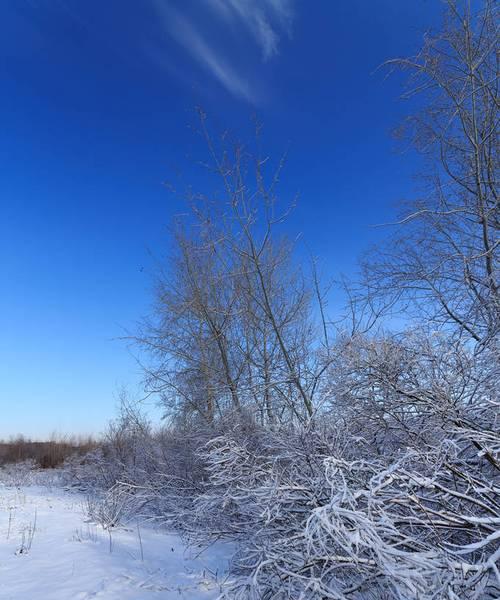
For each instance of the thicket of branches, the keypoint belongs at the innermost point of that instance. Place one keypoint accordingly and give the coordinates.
(348, 460)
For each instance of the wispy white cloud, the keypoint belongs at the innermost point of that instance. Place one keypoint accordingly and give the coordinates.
(185, 33)
(264, 20)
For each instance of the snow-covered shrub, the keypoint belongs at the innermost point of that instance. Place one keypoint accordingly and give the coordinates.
(395, 494)
(111, 507)
(314, 522)
(138, 471)
(18, 474)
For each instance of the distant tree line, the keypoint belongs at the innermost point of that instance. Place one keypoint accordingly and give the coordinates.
(46, 454)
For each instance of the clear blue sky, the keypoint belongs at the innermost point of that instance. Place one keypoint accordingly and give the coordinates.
(96, 101)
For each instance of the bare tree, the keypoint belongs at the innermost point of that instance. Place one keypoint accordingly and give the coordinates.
(197, 362)
(443, 260)
(233, 326)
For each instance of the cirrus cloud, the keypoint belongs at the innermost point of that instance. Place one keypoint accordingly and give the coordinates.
(259, 24)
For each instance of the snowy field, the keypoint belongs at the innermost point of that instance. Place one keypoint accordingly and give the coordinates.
(50, 551)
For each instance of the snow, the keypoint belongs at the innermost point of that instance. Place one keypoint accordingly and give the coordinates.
(72, 558)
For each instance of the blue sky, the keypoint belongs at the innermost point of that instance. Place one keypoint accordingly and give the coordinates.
(97, 102)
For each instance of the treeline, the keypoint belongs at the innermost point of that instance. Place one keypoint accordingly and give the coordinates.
(46, 454)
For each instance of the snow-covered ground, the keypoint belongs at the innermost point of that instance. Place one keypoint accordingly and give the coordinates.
(49, 551)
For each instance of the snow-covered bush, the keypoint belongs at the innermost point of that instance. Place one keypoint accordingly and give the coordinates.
(18, 474)
(394, 492)
(137, 471)
(315, 522)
